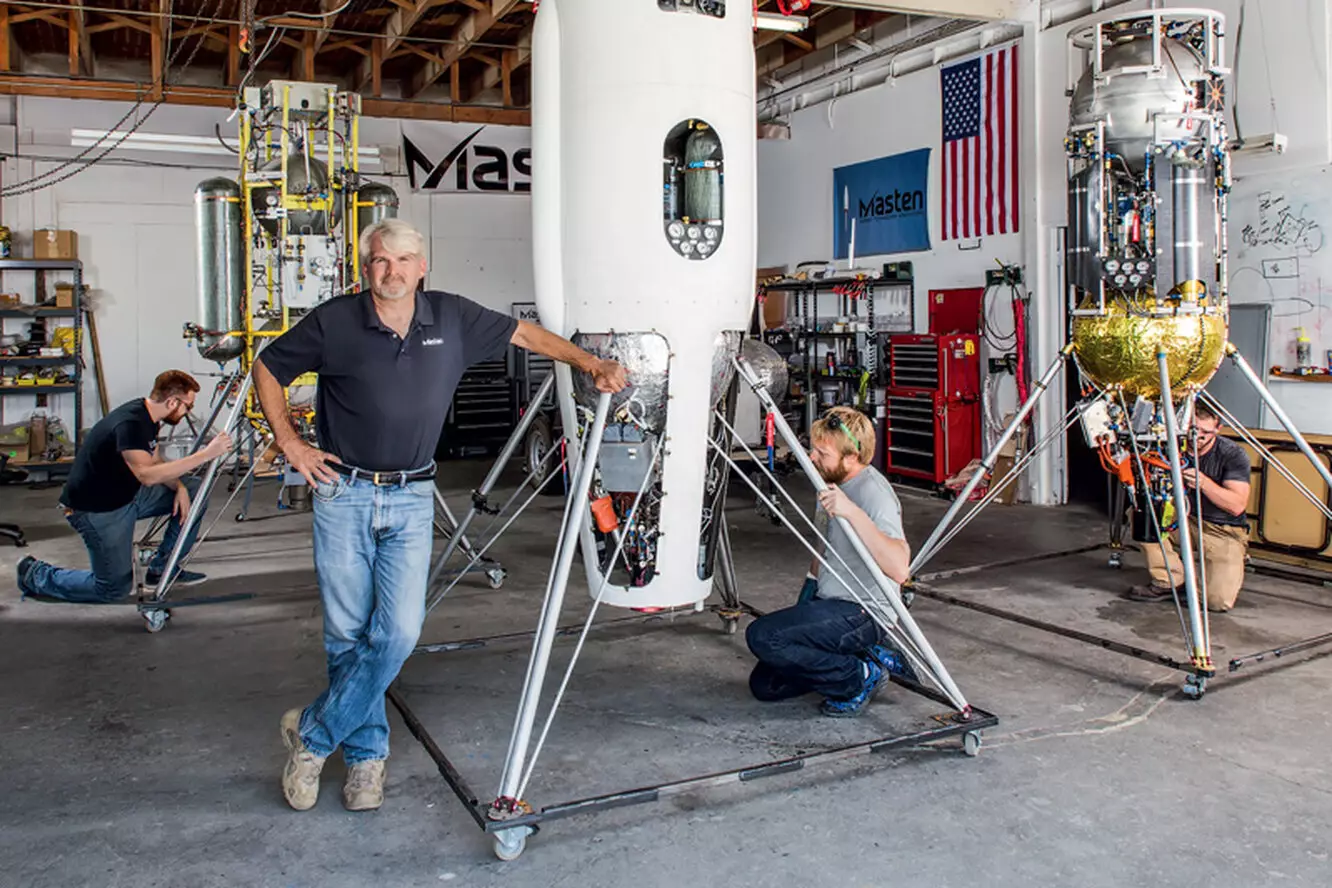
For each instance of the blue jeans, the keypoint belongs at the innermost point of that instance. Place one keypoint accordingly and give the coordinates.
(372, 554)
(814, 646)
(109, 537)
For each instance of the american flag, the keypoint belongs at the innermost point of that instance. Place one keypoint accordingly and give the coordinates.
(980, 145)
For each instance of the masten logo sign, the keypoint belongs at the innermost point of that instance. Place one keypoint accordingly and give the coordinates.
(483, 160)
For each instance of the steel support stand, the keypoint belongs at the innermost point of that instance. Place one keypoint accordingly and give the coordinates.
(493, 570)
(1202, 645)
(492, 478)
(507, 803)
(903, 621)
(1038, 389)
(201, 498)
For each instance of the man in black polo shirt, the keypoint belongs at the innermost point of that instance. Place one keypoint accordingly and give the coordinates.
(388, 362)
(1222, 476)
(118, 478)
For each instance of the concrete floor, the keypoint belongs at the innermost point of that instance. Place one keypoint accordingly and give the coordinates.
(142, 760)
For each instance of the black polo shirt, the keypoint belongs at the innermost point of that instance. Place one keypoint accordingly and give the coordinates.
(382, 399)
(101, 480)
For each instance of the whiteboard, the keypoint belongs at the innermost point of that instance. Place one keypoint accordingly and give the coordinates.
(1280, 231)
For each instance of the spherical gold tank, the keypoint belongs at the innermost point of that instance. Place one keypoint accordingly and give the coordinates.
(1119, 348)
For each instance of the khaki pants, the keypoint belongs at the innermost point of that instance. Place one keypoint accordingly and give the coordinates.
(1223, 550)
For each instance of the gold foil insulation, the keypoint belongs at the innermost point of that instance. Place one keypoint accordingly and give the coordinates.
(1118, 349)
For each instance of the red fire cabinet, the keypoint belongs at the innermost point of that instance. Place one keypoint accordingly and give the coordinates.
(956, 311)
(933, 405)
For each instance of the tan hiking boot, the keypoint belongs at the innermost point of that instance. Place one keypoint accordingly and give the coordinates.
(364, 788)
(300, 776)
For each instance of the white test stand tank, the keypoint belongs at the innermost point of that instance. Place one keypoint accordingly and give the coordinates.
(643, 200)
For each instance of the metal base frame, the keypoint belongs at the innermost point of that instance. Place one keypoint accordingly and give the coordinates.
(1195, 624)
(943, 726)
(511, 820)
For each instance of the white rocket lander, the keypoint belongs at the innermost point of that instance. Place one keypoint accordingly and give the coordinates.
(644, 221)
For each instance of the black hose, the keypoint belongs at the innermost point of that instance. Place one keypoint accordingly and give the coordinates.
(1234, 102)
(217, 131)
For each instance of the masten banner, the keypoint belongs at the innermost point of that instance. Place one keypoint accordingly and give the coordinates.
(887, 199)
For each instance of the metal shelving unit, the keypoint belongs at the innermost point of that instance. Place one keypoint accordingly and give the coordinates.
(810, 331)
(73, 388)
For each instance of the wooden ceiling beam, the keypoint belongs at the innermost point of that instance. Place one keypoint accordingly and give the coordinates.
(233, 69)
(120, 91)
(116, 22)
(5, 58)
(47, 15)
(403, 19)
(80, 44)
(501, 75)
(159, 49)
(464, 37)
(353, 45)
(327, 23)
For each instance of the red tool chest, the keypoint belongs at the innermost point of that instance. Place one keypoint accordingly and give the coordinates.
(933, 405)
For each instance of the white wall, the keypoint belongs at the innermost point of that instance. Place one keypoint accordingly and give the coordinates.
(796, 184)
(136, 235)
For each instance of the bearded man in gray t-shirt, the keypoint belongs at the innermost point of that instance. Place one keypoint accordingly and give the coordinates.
(826, 643)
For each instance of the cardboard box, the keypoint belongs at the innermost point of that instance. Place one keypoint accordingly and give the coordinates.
(37, 435)
(64, 295)
(17, 453)
(774, 304)
(55, 243)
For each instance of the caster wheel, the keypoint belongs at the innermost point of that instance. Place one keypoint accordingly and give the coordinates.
(155, 620)
(1116, 561)
(240, 516)
(510, 843)
(730, 626)
(495, 577)
(908, 597)
(1195, 686)
(145, 556)
(971, 743)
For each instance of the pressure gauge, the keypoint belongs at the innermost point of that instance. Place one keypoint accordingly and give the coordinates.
(693, 232)
(1120, 280)
(1135, 279)
(686, 248)
(675, 230)
(1112, 265)
(1143, 265)
(704, 248)
(710, 233)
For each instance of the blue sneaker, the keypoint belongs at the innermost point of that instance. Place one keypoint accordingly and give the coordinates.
(875, 677)
(25, 577)
(183, 577)
(892, 660)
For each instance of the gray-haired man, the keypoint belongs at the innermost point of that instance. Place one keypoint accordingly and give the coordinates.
(388, 361)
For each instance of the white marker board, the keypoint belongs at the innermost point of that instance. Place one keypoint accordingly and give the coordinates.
(1280, 231)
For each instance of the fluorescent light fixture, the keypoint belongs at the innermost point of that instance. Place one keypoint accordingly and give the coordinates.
(82, 138)
(775, 21)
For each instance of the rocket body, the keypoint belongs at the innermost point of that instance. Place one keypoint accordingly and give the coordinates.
(643, 197)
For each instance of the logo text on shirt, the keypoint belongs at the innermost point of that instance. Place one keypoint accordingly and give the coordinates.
(432, 341)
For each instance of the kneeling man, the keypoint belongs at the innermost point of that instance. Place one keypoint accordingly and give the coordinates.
(826, 643)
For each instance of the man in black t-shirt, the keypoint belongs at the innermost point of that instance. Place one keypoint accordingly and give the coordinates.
(117, 479)
(388, 360)
(1222, 477)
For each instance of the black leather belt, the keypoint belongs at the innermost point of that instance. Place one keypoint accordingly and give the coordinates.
(384, 479)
